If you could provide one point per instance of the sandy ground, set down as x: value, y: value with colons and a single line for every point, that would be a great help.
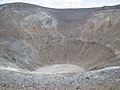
x: 59, y: 68
x: 53, y: 69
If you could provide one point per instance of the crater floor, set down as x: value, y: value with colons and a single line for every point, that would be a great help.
x: 59, y: 68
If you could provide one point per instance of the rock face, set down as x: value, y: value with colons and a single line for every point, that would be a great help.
x: 59, y: 49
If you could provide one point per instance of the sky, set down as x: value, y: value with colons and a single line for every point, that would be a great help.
x: 67, y: 3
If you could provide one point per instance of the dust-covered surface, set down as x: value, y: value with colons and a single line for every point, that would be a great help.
x: 59, y: 68
x: 59, y: 49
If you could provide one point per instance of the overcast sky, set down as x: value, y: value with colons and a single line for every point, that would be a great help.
x: 67, y: 3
